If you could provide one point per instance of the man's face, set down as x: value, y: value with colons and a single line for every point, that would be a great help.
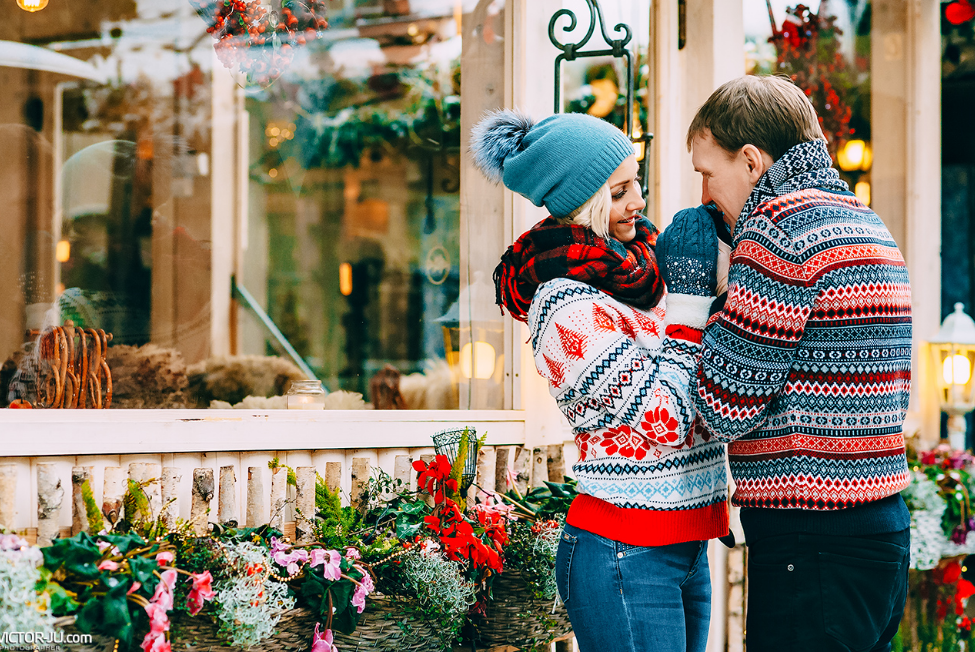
x: 727, y: 177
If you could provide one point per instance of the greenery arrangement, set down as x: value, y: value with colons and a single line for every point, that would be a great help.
x: 425, y: 551
x: 937, y: 618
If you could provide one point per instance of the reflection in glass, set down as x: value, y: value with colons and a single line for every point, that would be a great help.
x: 162, y: 153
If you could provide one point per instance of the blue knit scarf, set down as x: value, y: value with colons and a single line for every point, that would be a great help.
x: 807, y: 165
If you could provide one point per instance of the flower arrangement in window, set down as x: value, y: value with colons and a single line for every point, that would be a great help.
x: 808, y: 51
x: 258, y: 40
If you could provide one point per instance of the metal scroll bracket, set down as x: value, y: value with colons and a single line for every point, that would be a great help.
x: 617, y: 49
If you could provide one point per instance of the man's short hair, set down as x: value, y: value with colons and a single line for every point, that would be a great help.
x: 771, y: 113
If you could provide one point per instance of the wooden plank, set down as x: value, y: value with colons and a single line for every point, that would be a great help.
x: 137, y: 432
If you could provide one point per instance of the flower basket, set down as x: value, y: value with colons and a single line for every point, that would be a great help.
x: 515, y: 616
x: 385, y: 626
x: 447, y: 442
x: 98, y: 643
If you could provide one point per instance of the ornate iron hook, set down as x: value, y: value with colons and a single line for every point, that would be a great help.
x: 617, y: 49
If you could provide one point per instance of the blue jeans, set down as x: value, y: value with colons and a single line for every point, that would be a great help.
x: 623, y: 598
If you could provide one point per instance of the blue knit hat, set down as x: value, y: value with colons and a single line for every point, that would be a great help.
x: 558, y: 163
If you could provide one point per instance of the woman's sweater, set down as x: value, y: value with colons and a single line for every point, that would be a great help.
x: 649, y: 477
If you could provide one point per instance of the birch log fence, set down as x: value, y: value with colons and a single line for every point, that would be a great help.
x: 214, y: 491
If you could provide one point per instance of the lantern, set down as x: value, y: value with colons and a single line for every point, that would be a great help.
x: 447, y: 442
x: 953, y: 352
x: 473, y: 331
x: 32, y: 5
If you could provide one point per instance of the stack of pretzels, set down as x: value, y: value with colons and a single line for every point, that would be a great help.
x: 73, y: 370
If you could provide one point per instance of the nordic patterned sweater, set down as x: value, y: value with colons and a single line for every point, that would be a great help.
x: 806, y: 371
x: 647, y: 476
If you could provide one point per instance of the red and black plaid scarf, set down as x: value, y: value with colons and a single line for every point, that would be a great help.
x: 627, y: 272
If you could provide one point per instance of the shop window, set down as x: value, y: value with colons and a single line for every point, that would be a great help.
x: 241, y: 212
x: 825, y: 47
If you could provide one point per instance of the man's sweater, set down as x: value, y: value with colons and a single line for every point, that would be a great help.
x: 806, y: 371
x: 623, y: 385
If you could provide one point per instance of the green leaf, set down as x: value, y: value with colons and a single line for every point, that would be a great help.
x: 108, y: 614
x: 142, y: 569
x: 346, y: 621
x: 124, y: 542
x: 78, y: 555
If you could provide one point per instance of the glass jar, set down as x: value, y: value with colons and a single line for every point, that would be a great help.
x: 306, y: 395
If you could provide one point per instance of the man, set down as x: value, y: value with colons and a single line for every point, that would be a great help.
x: 805, y: 371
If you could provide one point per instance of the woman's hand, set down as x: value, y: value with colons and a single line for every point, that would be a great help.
x: 687, y: 253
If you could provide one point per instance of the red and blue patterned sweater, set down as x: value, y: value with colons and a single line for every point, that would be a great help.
x: 806, y: 371
x: 622, y: 378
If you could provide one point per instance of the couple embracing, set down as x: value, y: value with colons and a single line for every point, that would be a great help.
x: 769, y: 328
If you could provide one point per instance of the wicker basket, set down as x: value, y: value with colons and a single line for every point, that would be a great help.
x: 384, y: 627
x: 516, y: 617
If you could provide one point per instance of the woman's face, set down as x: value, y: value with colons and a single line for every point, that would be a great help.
x: 624, y: 187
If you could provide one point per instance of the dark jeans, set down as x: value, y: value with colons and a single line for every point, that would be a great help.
x: 623, y: 598
x: 825, y: 593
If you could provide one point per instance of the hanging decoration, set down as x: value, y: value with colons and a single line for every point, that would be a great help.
x: 960, y: 12
x: 258, y: 41
x: 808, y: 49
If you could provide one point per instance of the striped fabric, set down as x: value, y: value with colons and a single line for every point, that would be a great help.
x: 624, y: 386
x: 807, y: 369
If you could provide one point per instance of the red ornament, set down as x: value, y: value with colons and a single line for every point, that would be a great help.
x: 960, y: 11
x: 258, y: 41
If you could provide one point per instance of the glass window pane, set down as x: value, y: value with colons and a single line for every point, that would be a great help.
x: 244, y: 199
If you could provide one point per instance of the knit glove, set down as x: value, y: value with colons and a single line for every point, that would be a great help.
x: 687, y: 253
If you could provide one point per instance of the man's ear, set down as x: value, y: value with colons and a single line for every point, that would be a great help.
x: 757, y: 163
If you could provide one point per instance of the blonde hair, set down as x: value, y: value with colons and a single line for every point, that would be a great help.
x: 594, y: 213
x: 771, y: 113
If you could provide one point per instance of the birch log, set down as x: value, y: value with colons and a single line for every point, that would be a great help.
x: 202, y: 495
x: 501, y: 469
x: 539, y: 467
x: 333, y: 476
x: 279, y: 489
x: 147, y: 475
x: 556, y: 463
x: 170, y: 495
x: 79, y: 515
x: 427, y: 459
x: 360, y: 480
x: 487, y: 461
x: 227, y: 498
x: 304, y: 503
x: 49, y: 495
x: 113, y: 490
x: 403, y: 470
x: 8, y: 495
x: 255, y: 496
x: 522, y: 470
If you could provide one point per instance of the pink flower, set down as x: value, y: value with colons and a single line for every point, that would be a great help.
x: 156, y: 643
x: 164, y: 590
x: 359, y: 599
x: 200, y: 593
x: 330, y: 559
x: 108, y: 565
x: 322, y: 642
x: 283, y: 555
x: 164, y: 558
x: 366, y: 581
x: 135, y: 587
x: 352, y: 553
x: 158, y: 620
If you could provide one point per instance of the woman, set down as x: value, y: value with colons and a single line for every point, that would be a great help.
x: 632, y: 562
